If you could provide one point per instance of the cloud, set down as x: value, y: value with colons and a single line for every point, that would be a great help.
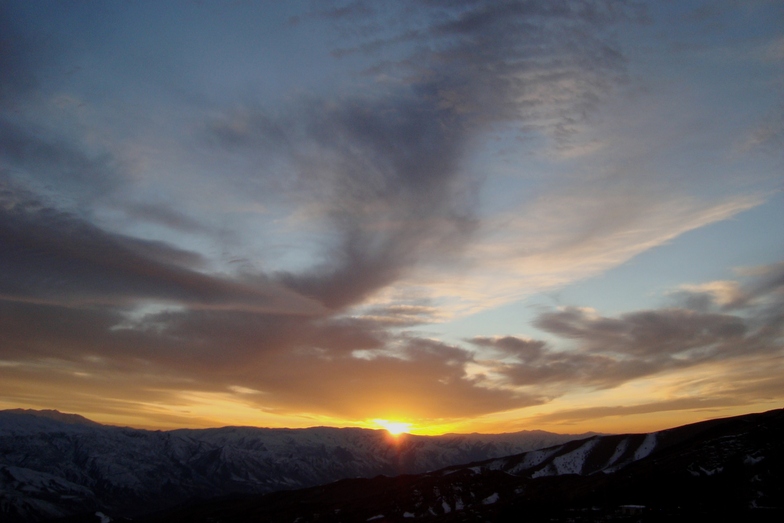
x: 385, y: 175
x: 762, y: 287
x: 53, y: 256
x: 605, y: 352
x: 564, y: 237
x: 54, y: 165
x: 378, y: 188
x: 402, y: 315
x: 167, y: 217
x: 552, y: 373
x: 428, y: 381
x: 719, y: 388
x: 122, y: 315
x: 297, y: 365
x: 666, y: 332
x: 386, y: 168
x: 80, y: 302
x: 596, y: 413
x: 523, y: 349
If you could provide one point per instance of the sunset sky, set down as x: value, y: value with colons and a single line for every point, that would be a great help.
x: 460, y: 216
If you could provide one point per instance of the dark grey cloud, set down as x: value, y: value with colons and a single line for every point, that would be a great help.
x: 298, y: 364
x: 385, y: 173
x: 609, y: 351
x: 767, y: 281
x: 56, y: 166
x: 645, y: 333
x: 69, y: 310
x: 536, y: 363
x: 488, y: 58
x: 523, y: 349
x: 69, y: 289
x: 51, y: 255
x: 386, y: 167
x: 163, y: 215
x: 760, y: 289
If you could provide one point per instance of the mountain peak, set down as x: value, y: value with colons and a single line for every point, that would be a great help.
x: 71, y: 419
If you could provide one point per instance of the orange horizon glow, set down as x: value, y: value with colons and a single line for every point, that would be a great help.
x: 167, y: 417
x: 395, y: 428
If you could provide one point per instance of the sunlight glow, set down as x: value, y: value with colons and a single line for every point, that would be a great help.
x: 393, y: 427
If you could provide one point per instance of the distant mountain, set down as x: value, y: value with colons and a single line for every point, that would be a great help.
x: 35, y: 420
x: 55, y: 465
x: 721, y: 470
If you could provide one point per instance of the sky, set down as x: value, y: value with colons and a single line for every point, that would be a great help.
x: 455, y: 216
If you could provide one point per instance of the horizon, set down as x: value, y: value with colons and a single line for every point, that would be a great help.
x: 377, y: 428
x: 443, y: 218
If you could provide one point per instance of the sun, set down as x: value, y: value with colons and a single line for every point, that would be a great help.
x: 393, y: 427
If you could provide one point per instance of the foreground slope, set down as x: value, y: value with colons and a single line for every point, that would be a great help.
x: 54, y: 464
x: 719, y: 470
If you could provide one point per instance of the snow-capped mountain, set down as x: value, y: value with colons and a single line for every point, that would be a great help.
x: 54, y: 464
x: 728, y: 469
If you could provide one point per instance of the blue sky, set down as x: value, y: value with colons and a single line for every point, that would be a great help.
x: 473, y: 216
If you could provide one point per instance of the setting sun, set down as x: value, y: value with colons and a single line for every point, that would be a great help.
x: 393, y: 427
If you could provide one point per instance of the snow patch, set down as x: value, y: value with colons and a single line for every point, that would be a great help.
x: 446, y: 507
x: 620, y: 449
x: 537, y: 457
x: 646, y: 447
x: 572, y: 462
x: 380, y: 516
x: 751, y: 460
x: 489, y: 500
x: 408, y: 515
x: 103, y: 517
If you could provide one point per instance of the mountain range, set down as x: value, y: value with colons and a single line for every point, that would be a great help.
x: 720, y: 470
x: 55, y: 465
x: 63, y: 465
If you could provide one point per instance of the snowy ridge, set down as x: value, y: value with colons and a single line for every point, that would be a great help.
x: 47, y: 455
x: 673, y: 472
x: 78, y: 468
x: 583, y: 457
